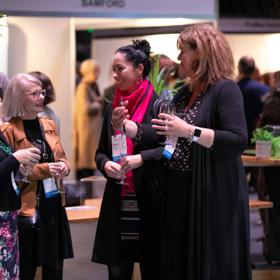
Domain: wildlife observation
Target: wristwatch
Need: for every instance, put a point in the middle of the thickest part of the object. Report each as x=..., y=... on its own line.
x=196, y=134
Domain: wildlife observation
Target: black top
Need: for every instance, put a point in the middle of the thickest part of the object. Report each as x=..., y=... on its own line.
x=9, y=200
x=219, y=223
x=54, y=239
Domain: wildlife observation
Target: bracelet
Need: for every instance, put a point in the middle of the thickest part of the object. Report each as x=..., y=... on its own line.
x=190, y=137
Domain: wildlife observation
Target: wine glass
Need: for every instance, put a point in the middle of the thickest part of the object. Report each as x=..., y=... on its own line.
x=123, y=154
x=167, y=108
x=122, y=148
x=22, y=173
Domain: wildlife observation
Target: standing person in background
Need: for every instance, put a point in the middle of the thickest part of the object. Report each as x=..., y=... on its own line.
x=253, y=91
x=10, y=163
x=3, y=84
x=49, y=98
x=269, y=79
x=44, y=233
x=87, y=119
x=271, y=116
x=128, y=225
x=108, y=97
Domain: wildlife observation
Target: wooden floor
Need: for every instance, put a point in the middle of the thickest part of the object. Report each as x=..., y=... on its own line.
x=266, y=274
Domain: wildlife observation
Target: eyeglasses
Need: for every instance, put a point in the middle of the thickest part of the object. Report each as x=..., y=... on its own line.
x=36, y=93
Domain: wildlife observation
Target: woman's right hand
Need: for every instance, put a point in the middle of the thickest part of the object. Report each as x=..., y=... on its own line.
x=28, y=156
x=113, y=170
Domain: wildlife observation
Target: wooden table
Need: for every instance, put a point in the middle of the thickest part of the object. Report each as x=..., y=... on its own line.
x=253, y=161
x=89, y=211
x=94, y=179
x=260, y=204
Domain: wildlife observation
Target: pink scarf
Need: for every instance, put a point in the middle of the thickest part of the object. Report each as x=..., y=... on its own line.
x=138, y=104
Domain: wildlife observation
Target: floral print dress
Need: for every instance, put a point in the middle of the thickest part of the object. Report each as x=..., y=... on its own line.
x=9, y=252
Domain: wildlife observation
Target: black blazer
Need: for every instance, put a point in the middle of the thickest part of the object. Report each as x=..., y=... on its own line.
x=9, y=200
x=107, y=247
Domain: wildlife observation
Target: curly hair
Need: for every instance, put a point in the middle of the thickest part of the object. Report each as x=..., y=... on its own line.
x=215, y=59
x=138, y=53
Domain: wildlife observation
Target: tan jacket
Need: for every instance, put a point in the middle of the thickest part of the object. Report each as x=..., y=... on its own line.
x=15, y=135
x=87, y=126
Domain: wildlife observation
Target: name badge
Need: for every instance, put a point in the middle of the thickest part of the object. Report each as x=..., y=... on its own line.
x=119, y=148
x=50, y=188
x=170, y=148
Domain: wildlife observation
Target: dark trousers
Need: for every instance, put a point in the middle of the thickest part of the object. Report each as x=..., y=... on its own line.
x=125, y=271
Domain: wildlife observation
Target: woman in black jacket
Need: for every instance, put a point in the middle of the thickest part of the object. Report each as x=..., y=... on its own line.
x=206, y=193
x=128, y=225
x=10, y=163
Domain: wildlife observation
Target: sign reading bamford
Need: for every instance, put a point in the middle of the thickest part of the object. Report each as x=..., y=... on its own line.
x=204, y=9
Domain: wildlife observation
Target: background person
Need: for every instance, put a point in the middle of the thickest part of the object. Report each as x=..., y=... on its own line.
x=3, y=84
x=253, y=91
x=270, y=188
x=87, y=119
x=128, y=224
x=205, y=191
x=50, y=97
x=47, y=242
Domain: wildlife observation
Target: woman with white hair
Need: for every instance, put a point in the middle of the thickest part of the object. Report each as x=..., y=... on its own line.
x=87, y=119
x=44, y=233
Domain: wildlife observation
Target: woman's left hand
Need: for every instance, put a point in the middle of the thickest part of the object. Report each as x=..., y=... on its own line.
x=58, y=169
x=119, y=115
x=172, y=126
x=131, y=162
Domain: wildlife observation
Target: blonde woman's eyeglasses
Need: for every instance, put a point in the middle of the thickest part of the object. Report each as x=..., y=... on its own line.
x=36, y=93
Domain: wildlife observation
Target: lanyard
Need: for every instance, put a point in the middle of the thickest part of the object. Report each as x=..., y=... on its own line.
x=6, y=149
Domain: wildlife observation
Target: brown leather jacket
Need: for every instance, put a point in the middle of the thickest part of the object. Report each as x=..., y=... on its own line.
x=15, y=135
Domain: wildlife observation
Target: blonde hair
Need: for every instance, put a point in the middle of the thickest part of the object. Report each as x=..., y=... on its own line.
x=215, y=59
x=88, y=66
x=14, y=94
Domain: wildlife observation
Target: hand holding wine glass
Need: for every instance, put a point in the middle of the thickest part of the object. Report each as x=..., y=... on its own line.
x=166, y=108
x=27, y=158
x=119, y=115
x=58, y=169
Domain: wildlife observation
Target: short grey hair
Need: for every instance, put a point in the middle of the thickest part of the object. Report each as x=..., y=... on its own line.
x=14, y=94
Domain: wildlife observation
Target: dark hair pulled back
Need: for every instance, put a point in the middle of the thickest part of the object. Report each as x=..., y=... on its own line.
x=138, y=53
x=46, y=85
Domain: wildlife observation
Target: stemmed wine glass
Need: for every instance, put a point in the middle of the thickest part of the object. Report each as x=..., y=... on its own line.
x=167, y=108
x=123, y=148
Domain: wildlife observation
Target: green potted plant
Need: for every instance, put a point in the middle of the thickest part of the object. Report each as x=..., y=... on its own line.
x=156, y=76
x=263, y=140
x=276, y=147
